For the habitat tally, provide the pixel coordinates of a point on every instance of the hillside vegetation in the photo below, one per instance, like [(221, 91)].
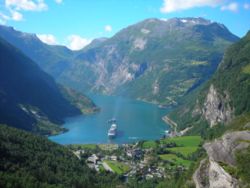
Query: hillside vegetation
[(30, 99), (27, 160), (153, 60), (231, 93), (220, 112)]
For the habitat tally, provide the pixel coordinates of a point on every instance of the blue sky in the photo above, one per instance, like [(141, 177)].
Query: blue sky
[(76, 22)]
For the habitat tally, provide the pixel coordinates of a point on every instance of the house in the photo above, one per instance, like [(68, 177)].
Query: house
[(93, 159), (113, 158)]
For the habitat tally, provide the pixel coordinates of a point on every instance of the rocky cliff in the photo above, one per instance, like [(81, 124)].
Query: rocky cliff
[(216, 108), (210, 173), (224, 97), (154, 60)]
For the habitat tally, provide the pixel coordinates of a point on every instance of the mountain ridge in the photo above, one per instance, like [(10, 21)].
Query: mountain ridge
[(142, 61), (219, 100), (29, 98), (128, 57)]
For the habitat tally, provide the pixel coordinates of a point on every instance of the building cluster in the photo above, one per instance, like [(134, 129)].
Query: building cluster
[(136, 158)]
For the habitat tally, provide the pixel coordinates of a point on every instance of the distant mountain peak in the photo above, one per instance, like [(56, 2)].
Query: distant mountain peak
[(95, 43), (199, 20), (185, 20)]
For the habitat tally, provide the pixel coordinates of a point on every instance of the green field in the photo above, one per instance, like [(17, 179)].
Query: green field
[(149, 144), (186, 145), (118, 167), (184, 141), (174, 159), (191, 142), (185, 151)]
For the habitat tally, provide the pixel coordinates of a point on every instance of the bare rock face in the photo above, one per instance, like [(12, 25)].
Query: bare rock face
[(223, 149), (210, 173), (216, 108), (219, 178), (201, 175), (139, 44)]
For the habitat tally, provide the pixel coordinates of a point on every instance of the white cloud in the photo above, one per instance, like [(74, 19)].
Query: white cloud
[(3, 18), (76, 42), (177, 5), (47, 38), (108, 28), (231, 7), (17, 16), (28, 5), (58, 1), (14, 9), (246, 6)]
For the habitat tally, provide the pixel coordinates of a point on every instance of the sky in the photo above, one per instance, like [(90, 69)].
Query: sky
[(75, 23)]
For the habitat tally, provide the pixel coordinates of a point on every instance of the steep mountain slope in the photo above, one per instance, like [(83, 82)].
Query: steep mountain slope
[(53, 59), (29, 98), (154, 60), (27, 160), (225, 96), (220, 109)]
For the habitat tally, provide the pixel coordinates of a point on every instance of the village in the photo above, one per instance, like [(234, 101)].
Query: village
[(131, 160), (144, 159)]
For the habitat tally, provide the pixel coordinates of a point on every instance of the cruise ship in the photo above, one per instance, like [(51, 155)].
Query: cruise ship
[(113, 129)]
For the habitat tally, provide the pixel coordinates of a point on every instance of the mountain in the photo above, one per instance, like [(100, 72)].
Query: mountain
[(51, 58), (225, 96), (29, 160), (29, 98), (94, 44), (153, 60), (220, 111)]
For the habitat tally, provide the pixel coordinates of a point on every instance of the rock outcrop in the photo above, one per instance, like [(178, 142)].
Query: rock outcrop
[(216, 107), (201, 175), (210, 173), (219, 178), (223, 149)]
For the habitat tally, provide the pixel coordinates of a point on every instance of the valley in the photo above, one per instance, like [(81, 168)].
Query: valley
[(154, 60), (136, 121), (150, 102)]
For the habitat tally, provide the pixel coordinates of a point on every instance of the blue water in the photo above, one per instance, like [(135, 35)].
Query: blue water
[(136, 120)]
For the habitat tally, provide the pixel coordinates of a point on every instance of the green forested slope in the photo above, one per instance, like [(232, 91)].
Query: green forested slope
[(29, 97), (232, 82), (153, 60), (27, 160)]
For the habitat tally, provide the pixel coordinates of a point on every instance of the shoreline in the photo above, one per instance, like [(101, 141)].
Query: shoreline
[(170, 122), (174, 125)]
